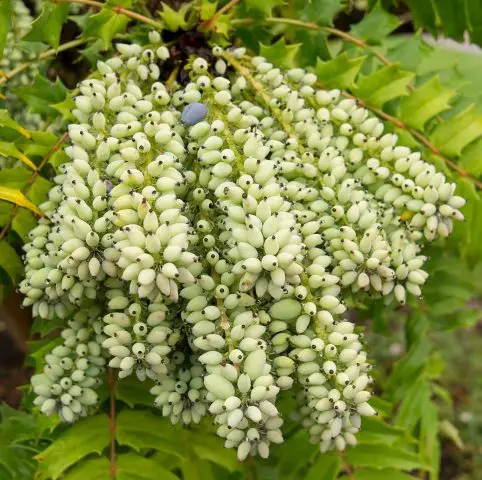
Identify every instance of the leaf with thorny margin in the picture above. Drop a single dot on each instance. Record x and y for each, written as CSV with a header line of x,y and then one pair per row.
x,y
453,135
375,26
10,261
10,150
47,27
141,429
471,158
5,22
340,72
134,467
384,85
425,103
105,25
65,108
89,435
322,12
174,20
15,196
92,469
7,121
280,53
264,7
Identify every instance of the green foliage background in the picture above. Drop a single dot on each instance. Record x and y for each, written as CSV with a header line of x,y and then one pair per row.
x,y
430,96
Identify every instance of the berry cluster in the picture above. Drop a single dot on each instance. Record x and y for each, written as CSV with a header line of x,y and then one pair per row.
x,y
213,231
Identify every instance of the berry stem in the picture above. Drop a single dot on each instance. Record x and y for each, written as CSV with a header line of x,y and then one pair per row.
x,y
6,76
209,24
119,10
112,424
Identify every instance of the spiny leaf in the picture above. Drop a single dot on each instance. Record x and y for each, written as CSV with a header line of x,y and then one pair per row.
x,y
384,85
383,456
7,121
174,20
10,150
92,469
105,25
90,435
264,7
322,12
5,22
425,103
142,429
376,25
18,198
339,72
10,261
280,53
134,467
326,467
452,136
471,159
207,9
65,108
48,25
22,223
409,51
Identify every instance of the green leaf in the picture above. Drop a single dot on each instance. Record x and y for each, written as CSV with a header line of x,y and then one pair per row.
x,y
134,467
314,46
383,456
207,9
7,121
18,198
264,7
5,22
385,474
280,53
384,85
474,17
207,447
22,223
425,103
339,72
105,25
42,94
90,435
8,149
65,108
133,392
471,159
10,262
410,410
423,15
376,431
140,429
452,136
375,26
429,442
92,469
174,20
408,50
47,27
327,466
323,12
449,430
452,17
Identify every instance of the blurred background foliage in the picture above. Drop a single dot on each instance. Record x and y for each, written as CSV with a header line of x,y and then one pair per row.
x,y
416,63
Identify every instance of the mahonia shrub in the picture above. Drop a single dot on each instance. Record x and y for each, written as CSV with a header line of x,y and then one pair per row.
x,y
207,237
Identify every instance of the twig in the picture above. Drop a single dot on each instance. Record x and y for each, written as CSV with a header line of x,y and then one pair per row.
x,y
30,182
6,76
112,424
208,24
320,28
119,10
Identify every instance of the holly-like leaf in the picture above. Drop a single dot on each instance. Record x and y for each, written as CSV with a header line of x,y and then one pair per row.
x,y
92,469
375,26
471,159
314,44
10,262
409,51
327,466
340,72
174,20
425,103
321,12
280,53
264,7
207,9
42,94
7,121
15,196
105,25
142,429
47,27
10,150
88,436
5,22
22,223
134,467
65,108
452,136
384,85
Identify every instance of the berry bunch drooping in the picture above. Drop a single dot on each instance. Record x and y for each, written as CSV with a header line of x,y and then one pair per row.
x,y
206,235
